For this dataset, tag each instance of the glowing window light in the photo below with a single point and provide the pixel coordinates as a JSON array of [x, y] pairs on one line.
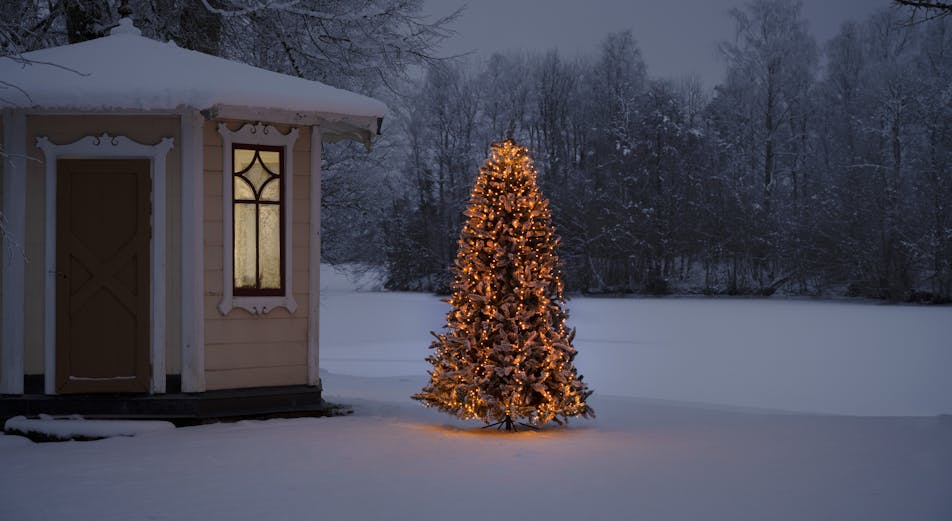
[[258, 223]]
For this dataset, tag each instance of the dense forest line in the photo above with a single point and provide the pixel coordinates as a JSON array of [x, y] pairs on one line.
[[813, 168]]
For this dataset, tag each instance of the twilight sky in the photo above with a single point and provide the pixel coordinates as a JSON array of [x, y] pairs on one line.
[[676, 37]]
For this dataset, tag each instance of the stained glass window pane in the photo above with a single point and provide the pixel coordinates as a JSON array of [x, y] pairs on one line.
[[243, 190], [271, 160], [245, 230], [269, 246], [257, 175], [242, 159], [271, 191]]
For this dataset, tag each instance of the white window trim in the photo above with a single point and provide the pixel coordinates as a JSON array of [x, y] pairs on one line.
[[257, 134], [109, 147]]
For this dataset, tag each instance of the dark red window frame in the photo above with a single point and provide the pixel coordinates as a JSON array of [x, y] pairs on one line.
[[258, 291]]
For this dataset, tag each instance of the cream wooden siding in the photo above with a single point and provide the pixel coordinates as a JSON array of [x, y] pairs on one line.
[[241, 349], [63, 129]]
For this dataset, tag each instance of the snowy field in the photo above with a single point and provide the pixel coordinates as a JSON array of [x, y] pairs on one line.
[[707, 410], [856, 358]]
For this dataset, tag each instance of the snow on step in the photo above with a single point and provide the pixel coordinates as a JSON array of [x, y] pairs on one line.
[[77, 426]]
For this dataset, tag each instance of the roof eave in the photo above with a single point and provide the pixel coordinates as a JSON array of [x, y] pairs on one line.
[[334, 127]]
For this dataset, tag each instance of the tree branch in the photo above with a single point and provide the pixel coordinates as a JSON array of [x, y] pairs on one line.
[[932, 10], [945, 6]]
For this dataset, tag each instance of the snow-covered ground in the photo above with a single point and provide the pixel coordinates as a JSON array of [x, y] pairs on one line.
[[688, 396], [832, 357]]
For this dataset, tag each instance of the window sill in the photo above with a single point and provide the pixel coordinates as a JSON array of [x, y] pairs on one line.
[[257, 305]]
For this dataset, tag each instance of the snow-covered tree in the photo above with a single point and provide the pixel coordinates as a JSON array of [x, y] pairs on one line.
[[771, 65], [507, 355]]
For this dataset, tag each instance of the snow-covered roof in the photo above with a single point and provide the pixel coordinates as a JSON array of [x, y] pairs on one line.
[[125, 71]]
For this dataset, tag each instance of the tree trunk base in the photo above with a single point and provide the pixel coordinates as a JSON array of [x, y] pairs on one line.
[[509, 425]]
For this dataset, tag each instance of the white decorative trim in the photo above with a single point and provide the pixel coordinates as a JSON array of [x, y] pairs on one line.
[[113, 147], [334, 127], [193, 279], [257, 134], [13, 256], [314, 264]]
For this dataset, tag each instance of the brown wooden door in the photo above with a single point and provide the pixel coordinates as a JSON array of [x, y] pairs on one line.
[[102, 263]]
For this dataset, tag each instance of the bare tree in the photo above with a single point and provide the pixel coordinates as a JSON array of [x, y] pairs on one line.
[[942, 8], [356, 45]]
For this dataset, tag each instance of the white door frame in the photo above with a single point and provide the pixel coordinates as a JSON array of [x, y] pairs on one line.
[[108, 147]]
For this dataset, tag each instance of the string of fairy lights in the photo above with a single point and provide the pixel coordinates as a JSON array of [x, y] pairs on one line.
[[507, 353]]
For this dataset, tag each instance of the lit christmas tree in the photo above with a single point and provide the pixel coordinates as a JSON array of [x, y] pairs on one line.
[[507, 355]]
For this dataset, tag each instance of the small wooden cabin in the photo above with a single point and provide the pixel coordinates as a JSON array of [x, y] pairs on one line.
[[161, 249]]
